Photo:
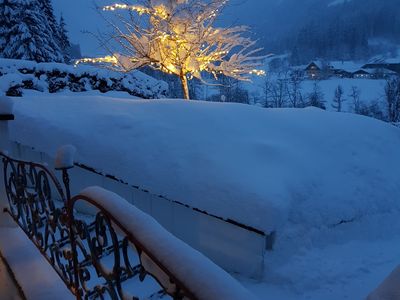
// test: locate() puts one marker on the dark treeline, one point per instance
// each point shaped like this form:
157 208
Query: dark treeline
356 29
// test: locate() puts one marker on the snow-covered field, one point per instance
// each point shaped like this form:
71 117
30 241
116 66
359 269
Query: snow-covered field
326 182
371 91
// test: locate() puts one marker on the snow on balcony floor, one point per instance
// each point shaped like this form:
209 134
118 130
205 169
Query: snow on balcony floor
265 168
8 286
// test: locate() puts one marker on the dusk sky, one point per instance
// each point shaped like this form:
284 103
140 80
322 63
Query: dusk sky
81 16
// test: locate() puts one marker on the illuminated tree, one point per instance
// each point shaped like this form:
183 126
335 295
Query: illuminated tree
178 37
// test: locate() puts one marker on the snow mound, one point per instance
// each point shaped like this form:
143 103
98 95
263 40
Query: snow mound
19 75
264 168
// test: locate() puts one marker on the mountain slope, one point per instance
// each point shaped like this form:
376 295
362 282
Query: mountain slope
333 29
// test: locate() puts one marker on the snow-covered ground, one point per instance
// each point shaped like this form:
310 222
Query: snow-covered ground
325 182
371 91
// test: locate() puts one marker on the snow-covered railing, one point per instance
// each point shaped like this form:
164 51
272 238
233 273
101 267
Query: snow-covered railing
116 253
182 272
235 247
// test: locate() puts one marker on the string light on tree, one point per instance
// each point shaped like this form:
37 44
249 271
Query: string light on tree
178 37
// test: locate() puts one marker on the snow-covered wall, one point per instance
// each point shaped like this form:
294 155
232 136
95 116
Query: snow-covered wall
19 75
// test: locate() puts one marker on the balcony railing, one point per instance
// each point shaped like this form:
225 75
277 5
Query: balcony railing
117 253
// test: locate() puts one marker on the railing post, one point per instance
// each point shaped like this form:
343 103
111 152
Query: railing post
6 115
63 162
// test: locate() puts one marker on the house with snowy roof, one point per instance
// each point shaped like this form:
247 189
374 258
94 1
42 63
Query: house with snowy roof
362 74
314 70
383 70
344 69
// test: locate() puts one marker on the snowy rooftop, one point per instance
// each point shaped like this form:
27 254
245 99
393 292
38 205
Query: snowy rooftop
348 66
260 167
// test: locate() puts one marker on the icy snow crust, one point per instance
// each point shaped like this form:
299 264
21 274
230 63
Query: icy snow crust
198 273
260 167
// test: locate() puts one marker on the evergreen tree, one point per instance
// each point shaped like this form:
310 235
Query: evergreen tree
47 9
9 11
338 99
29 35
64 42
316 97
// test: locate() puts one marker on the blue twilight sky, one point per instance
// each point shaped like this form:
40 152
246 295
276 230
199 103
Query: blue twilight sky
81 15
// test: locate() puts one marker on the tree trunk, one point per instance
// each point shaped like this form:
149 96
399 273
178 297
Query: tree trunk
185 87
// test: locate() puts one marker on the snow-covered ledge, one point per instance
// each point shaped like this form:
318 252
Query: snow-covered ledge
6 115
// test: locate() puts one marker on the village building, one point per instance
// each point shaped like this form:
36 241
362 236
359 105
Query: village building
347 69
362 74
314 70
318 70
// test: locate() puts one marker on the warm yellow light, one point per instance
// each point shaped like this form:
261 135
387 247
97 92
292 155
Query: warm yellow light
159 11
258 72
106 59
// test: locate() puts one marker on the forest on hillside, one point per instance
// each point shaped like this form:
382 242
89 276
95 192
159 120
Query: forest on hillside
357 29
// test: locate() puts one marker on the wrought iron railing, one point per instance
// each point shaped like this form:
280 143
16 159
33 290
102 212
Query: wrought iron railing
96 256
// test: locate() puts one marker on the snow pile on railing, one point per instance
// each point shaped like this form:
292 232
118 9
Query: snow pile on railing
19 75
204 279
65 157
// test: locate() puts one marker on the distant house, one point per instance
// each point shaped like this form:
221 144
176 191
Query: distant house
345 69
349 69
390 66
362 74
380 71
342 73
385 73
314 70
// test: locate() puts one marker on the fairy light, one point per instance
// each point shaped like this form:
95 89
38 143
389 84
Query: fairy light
106 59
257 72
178 43
159 10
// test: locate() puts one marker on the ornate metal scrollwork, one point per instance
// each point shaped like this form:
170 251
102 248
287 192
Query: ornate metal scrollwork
37 204
112 266
96 258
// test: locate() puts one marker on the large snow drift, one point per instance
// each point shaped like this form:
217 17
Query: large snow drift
257 166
